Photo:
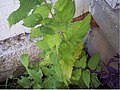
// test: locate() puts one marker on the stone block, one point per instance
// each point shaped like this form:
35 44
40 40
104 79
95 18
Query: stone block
108 20
10 51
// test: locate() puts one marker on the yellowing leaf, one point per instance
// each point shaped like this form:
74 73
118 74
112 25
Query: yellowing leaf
78 51
50 41
66 69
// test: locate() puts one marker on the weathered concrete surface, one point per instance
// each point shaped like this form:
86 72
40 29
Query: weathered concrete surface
105 38
107 17
115 4
82 6
10 51
97 42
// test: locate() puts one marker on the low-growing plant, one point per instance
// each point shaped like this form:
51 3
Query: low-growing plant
63 61
110 77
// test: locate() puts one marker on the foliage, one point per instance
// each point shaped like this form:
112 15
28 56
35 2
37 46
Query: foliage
94 61
62 61
88 75
111 76
23 11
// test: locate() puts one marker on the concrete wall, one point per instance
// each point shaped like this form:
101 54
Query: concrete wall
113 3
105 38
7 7
107 16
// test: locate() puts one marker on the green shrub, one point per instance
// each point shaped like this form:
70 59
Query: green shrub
63 62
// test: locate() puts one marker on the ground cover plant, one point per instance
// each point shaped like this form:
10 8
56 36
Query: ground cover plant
110 78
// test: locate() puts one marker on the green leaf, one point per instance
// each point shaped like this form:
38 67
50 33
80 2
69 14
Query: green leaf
65 51
37 86
58 41
22 11
98 69
32 20
50 40
24 60
66 14
43 10
60 4
61 44
34 66
50 23
81 83
61 27
86 77
24 81
56 65
36 75
46 30
42 44
46 62
95 81
76 74
35 33
55 25
84 26
77 31
49 83
81 63
66 69
46 71
94 61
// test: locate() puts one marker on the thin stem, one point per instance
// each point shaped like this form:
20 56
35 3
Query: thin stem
6 82
64 37
48 8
